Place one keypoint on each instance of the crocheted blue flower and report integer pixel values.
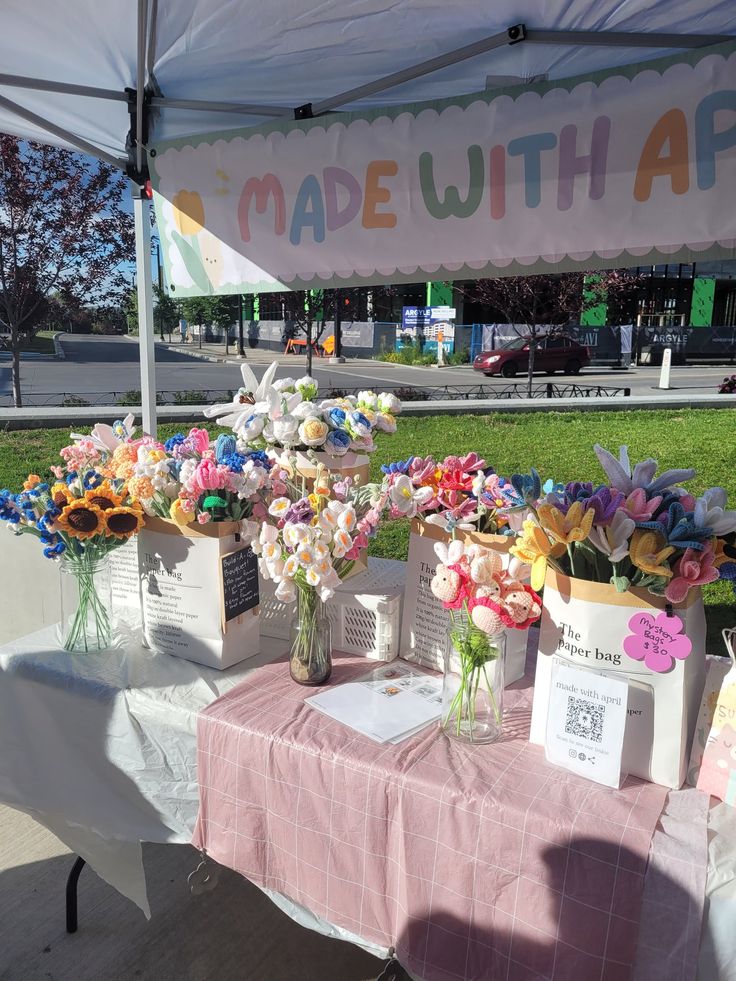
(259, 457)
(224, 447)
(527, 485)
(51, 551)
(233, 461)
(92, 479)
(678, 528)
(336, 417)
(176, 440)
(401, 466)
(337, 442)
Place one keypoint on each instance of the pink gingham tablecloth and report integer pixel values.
(475, 862)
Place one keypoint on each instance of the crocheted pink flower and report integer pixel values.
(638, 508)
(694, 569)
(207, 476)
(658, 642)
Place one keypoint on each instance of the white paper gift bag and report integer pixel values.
(713, 758)
(590, 625)
(424, 620)
(199, 592)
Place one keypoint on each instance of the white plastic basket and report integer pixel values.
(365, 611)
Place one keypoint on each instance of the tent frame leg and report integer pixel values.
(144, 277)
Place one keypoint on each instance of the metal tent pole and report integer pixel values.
(144, 279)
(64, 134)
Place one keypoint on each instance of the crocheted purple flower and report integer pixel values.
(605, 503)
(300, 513)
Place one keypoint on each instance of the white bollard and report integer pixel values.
(664, 375)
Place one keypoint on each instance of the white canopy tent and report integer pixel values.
(110, 79)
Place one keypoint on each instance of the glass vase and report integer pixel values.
(311, 641)
(472, 689)
(86, 604)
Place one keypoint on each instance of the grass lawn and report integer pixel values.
(559, 445)
(42, 342)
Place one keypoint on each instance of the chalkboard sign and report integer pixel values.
(239, 582)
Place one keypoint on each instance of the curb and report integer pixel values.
(56, 417)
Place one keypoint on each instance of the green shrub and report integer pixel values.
(74, 402)
(190, 398)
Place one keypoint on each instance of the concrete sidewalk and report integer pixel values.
(259, 356)
(233, 933)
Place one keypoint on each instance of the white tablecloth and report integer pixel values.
(101, 750)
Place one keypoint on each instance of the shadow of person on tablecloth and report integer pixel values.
(554, 925)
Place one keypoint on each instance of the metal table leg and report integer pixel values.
(71, 895)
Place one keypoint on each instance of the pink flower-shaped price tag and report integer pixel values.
(657, 641)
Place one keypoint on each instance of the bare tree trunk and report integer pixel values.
(15, 371)
(532, 349)
(309, 347)
(530, 374)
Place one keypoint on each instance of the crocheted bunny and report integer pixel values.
(486, 567)
(521, 603)
(445, 584)
(486, 615)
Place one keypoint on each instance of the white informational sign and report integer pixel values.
(437, 327)
(199, 599)
(126, 581)
(387, 705)
(177, 596)
(601, 170)
(586, 722)
(626, 332)
(664, 375)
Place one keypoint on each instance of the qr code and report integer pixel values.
(584, 719)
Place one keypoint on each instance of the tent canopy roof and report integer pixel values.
(280, 55)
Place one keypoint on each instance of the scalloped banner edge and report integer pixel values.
(538, 265)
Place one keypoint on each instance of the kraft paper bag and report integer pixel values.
(199, 592)
(585, 624)
(717, 767)
(424, 620)
(349, 465)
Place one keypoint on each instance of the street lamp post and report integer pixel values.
(241, 347)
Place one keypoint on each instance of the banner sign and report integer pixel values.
(430, 326)
(614, 343)
(628, 166)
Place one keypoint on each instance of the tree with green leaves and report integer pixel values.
(62, 229)
(165, 312)
(210, 311)
(550, 300)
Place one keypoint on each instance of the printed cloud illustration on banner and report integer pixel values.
(573, 173)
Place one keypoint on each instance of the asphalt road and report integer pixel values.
(100, 369)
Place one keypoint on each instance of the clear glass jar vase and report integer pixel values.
(310, 660)
(86, 603)
(472, 689)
